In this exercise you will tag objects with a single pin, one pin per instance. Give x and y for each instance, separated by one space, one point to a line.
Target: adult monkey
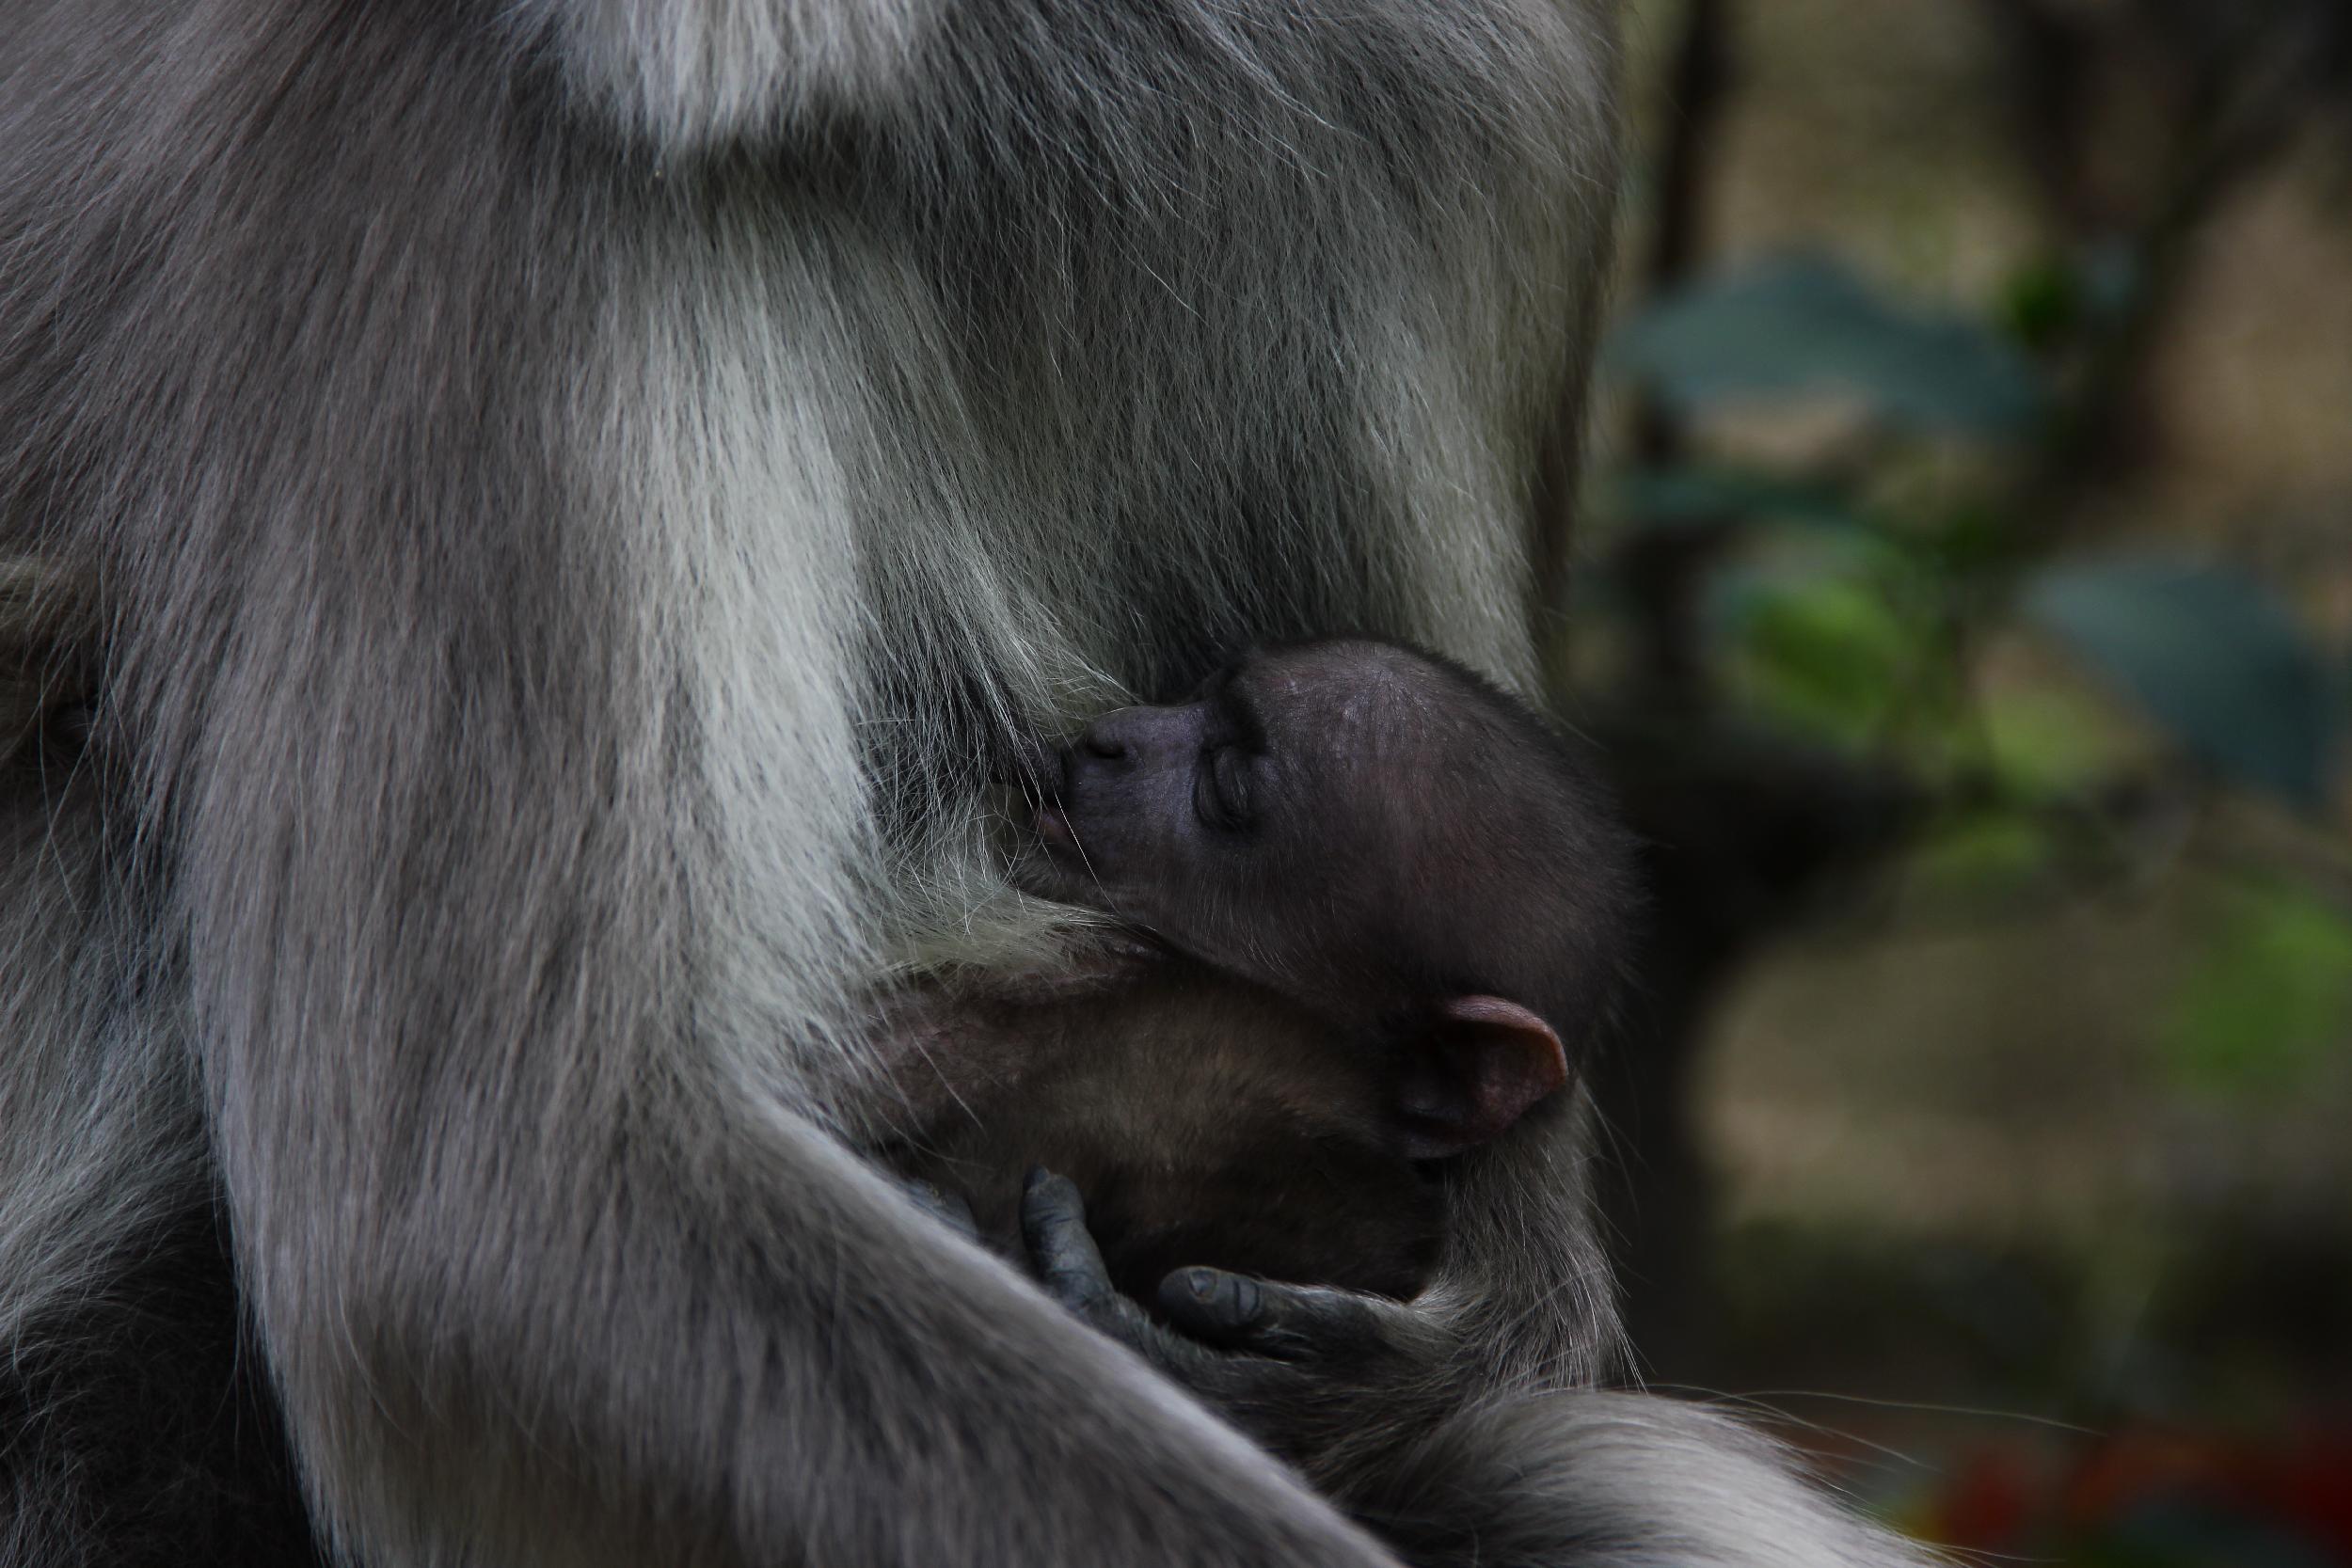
574 498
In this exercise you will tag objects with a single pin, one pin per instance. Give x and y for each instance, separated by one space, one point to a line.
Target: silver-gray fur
1627 1480
576 500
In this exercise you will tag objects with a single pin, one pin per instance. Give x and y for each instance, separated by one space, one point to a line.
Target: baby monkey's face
1255 823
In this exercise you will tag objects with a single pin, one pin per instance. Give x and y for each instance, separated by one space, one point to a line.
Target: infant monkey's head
1370 831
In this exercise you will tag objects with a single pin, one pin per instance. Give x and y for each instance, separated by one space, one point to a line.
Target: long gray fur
582 496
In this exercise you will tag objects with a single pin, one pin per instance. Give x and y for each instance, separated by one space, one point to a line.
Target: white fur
691 74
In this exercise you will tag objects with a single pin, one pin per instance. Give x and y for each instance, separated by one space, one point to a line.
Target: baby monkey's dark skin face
1389 909
1366 829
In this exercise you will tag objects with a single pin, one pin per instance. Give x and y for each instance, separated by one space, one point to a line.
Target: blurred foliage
1844 608
2268 1000
2214 656
1912 655
1804 326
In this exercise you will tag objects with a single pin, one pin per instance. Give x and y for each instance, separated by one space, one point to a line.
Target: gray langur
576 500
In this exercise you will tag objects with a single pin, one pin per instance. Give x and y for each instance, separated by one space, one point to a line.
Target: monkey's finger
1069 1265
1235 1311
1213 1306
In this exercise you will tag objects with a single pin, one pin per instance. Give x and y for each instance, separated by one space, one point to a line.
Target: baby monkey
1370 909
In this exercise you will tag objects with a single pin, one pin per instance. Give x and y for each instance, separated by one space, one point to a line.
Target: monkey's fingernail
1201 1283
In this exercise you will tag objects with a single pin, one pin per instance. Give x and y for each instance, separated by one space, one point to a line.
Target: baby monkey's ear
1481 1064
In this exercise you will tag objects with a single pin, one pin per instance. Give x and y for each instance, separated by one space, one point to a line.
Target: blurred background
1963 598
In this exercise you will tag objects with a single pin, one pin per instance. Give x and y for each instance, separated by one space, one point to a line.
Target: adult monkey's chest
1124 335
1254 315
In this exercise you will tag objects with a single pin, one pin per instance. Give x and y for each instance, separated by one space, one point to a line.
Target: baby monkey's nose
1109 739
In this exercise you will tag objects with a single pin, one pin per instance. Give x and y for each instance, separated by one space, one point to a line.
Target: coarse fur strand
576 500
1627 1480
134 1433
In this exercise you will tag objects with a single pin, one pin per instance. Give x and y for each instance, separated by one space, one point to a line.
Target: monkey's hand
1299 1368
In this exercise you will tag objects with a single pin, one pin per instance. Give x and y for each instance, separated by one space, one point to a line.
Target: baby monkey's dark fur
1386 909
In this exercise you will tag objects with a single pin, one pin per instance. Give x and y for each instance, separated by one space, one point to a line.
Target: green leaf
1984 849
2050 738
2049 302
2268 1000
2043 304
1824 652
1805 326
2210 654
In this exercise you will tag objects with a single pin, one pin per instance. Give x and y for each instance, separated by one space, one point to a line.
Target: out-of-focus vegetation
1964 601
